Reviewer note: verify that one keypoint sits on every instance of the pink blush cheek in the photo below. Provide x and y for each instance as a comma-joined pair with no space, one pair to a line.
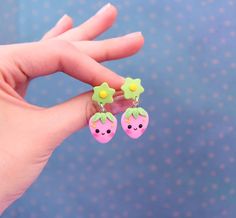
95,135
129,131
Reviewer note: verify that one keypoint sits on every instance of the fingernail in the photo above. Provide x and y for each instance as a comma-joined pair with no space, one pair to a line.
62,19
133,35
104,8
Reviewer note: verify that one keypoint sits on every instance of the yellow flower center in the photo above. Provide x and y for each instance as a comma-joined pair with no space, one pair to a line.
103,94
133,87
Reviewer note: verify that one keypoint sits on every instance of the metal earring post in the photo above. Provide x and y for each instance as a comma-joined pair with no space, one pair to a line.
136,102
102,108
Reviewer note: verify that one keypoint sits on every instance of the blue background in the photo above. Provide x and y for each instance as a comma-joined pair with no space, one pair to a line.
185,164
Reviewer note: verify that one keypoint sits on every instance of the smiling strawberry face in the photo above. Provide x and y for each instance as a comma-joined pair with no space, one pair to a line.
103,126
134,122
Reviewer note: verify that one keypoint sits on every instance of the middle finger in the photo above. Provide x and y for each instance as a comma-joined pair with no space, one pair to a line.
111,49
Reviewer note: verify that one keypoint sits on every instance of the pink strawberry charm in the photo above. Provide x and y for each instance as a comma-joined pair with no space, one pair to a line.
134,122
103,126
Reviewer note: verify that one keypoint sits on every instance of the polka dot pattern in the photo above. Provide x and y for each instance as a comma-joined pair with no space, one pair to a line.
184,165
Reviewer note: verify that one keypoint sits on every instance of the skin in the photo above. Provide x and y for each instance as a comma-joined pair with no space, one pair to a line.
29,134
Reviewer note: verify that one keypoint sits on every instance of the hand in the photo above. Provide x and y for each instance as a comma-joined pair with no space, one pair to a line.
29,133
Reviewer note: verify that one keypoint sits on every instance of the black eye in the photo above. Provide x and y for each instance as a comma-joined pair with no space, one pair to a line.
108,131
97,131
140,126
129,126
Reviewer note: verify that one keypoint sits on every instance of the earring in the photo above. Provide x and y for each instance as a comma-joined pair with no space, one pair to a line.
135,119
103,124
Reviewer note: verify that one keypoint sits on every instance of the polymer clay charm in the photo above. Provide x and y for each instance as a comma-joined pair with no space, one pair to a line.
135,119
103,124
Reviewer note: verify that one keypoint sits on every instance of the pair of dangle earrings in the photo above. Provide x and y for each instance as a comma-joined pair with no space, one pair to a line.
134,120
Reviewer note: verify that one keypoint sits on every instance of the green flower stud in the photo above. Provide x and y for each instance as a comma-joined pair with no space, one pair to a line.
103,124
134,120
103,94
132,88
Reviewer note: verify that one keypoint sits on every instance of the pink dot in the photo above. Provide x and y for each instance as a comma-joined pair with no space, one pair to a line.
168,161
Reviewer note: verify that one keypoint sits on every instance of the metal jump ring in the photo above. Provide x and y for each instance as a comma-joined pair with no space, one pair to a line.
136,102
102,108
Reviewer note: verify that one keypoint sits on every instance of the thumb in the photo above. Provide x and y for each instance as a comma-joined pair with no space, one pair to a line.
72,115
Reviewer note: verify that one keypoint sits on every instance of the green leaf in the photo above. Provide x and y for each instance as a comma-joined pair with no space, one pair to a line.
110,116
103,117
135,113
128,113
142,112
96,117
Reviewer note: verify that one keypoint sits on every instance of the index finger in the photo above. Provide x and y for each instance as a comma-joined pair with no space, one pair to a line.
47,57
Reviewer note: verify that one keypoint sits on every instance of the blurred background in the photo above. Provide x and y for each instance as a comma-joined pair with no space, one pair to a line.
185,164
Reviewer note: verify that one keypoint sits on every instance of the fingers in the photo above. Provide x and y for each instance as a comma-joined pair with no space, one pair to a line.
43,58
64,119
64,24
94,26
111,49
70,116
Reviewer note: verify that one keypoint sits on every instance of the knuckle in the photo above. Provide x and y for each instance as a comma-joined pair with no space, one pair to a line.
61,50
60,45
106,52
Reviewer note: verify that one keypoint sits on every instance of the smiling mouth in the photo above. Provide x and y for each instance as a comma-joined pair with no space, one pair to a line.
135,128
